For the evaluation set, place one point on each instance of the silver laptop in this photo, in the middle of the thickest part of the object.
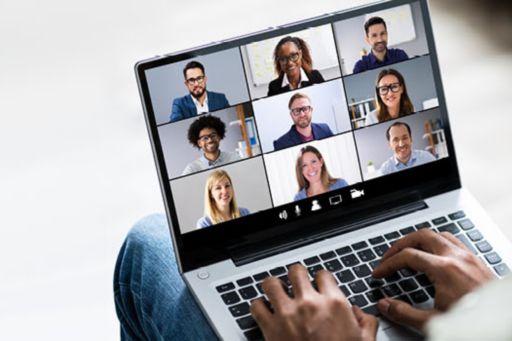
(319, 142)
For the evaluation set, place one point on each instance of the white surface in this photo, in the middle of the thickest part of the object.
(76, 166)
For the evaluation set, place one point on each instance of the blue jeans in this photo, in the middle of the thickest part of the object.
(152, 301)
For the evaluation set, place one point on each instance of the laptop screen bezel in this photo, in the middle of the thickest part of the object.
(207, 246)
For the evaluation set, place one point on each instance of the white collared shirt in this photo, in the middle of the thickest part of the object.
(201, 108)
(303, 78)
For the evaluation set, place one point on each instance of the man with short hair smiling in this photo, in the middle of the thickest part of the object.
(400, 142)
(380, 55)
(302, 130)
(199, 100)
(206, 133)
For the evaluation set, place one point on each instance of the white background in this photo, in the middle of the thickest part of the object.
(76, 169)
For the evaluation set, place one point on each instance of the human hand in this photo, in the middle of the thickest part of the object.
(310, 315)
(453, 270)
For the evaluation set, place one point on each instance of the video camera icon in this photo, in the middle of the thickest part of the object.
(356, 193)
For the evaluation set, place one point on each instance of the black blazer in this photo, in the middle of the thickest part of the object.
(274, 87)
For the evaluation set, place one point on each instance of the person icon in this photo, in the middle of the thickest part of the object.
(294, 66)
(199, 100)
(380, 55)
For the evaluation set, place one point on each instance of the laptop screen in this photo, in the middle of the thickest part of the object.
(272, 128)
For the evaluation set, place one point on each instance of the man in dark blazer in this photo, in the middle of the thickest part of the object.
(303, 130)
(199, 100)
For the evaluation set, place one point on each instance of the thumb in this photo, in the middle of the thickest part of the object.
(367, 323)
(405, 314)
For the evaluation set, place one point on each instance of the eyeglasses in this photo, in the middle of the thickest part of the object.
(206, 138)
(297, 111)
(291, 57)
(198, 80)
(394, 87)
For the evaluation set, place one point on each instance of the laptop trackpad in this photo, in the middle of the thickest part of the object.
(391, 331)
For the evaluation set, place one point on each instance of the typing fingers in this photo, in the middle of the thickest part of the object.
(407, 258)
(301, 285)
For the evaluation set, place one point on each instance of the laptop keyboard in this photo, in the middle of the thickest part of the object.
(352, 266)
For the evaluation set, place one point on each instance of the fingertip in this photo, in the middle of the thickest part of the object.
(383, 306)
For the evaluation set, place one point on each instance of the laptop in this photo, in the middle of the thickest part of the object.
(319, 142)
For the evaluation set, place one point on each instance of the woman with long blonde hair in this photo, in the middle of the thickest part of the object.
(219, 200)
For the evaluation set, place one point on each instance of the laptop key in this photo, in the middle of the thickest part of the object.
(393, 277)
(248, 292)
(391, 290)
(418, 296)
(358, 300)
(381, 249)
(333, 265)
(407, 272)
(240, 309)
(392, 235)
(244, 281)
(343, 250)
(376, 240)
(431, 291)
(404, 298)
(230, 298)
(374, 295)
(408, 284)
(254, 334)
(357, 286)
(345, 276)
(492, 258)
(374, 263)
(261, 276)
(345, 290)
(483, 246)
(475, 235)
(311, 260)
(439, 221)
(314, 269)
(372, 310)
(502, 269)
(466, 224)
(259, 286)
(423, 280)
(374, 282)
(466, 242)
(225, 287)
(452, 228)
(457, 215)
(362, 270)
(285, 280)
(423, 225)
(349, 260)
(328, 255)
(366, 255)
(407, 230)
(278, 271)
(360, 245)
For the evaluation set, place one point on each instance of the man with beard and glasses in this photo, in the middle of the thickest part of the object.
(380, 55)
(205, 133)
(404, 157)
(199, 100)
(302, 130)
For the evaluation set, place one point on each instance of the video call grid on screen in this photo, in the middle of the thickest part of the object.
(247, 96)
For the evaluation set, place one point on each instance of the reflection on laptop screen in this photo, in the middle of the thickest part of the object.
(283, 120)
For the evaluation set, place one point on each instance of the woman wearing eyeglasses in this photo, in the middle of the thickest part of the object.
(294, 66)
(312, 175)
(392, 98)
(219, 200)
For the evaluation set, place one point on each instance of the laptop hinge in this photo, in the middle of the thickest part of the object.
(248, 252)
